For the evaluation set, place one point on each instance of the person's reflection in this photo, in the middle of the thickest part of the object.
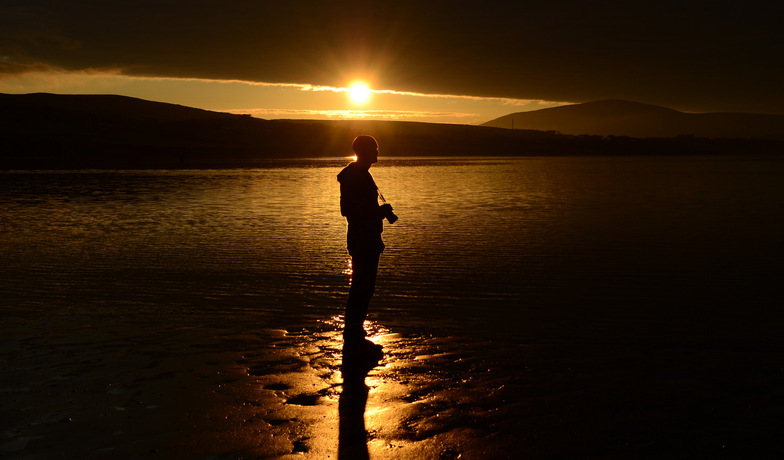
(352, 440)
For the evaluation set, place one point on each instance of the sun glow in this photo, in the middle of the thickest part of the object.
(359, 92)
(276, 100)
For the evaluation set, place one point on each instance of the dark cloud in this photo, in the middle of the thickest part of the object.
(718, 55)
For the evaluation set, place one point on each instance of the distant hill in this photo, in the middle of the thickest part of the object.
(86, 105)
(623, 118)
(105, 131)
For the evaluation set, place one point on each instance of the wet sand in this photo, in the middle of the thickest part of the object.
(89, 391)
(87, 387)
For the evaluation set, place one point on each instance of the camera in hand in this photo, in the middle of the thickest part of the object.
(386, 210)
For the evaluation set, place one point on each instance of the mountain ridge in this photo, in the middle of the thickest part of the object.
(614, 117)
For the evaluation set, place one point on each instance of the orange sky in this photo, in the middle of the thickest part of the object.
(266, 100)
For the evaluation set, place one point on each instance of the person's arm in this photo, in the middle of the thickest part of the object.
(358, 203)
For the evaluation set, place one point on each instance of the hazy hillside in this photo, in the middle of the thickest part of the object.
(104, 106)
(59, 131)
(623, 118)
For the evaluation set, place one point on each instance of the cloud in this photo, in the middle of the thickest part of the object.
(9, 68)
(441, 117)
(43, 77)
(695, 55)
(497, 100)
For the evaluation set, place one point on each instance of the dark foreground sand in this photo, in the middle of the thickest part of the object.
(88, 387)
(86, 391)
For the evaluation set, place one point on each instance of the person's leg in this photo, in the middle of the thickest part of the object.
(363, 285)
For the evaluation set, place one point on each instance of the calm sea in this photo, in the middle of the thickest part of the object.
(507, 248)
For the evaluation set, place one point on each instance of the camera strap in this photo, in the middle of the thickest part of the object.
(377, 190)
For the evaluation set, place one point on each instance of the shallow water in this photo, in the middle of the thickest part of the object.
(544, 303)
(478, 240)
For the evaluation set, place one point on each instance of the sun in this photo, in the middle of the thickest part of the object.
(359, 92)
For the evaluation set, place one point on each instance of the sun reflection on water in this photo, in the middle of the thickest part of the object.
(349, 270)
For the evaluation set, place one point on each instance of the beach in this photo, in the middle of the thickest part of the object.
(115, 391)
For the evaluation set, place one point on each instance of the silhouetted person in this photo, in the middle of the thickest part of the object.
(359, 203)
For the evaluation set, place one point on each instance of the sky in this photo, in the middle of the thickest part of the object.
(424, 60)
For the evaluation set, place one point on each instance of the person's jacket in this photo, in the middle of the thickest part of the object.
(359, 204)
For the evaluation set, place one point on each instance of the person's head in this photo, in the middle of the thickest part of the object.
(366, 149)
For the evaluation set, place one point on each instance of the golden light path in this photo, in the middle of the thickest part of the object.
(289, 395)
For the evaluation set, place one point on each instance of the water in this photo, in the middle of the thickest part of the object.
(507, 284)
(478, 240)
